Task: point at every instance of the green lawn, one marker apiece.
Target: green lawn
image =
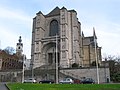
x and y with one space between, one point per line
29 86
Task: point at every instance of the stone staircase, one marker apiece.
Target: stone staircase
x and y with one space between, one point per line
71 75
48 72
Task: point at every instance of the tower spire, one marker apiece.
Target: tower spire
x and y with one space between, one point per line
82 34
94 34
20 40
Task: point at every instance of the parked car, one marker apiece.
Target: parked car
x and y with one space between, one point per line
46 81
66 81
88 81
30 80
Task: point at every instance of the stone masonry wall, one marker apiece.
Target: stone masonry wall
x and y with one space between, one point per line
104 73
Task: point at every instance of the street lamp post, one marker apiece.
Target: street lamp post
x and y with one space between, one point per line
32 70
23 69
105 70
56 61
96 60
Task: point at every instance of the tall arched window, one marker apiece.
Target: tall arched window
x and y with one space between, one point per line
53 28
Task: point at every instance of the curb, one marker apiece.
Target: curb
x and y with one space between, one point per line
7 86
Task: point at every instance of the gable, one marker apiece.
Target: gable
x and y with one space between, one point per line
54 12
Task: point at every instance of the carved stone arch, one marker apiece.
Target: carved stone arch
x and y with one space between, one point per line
48 52
47 46
49 21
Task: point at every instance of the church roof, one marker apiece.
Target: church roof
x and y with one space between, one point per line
54 12
63 7
39 13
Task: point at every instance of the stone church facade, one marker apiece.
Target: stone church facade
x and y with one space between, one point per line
57 33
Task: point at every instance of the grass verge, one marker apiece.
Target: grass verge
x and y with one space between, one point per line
29 86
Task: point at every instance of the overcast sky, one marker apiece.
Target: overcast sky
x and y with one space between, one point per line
16 20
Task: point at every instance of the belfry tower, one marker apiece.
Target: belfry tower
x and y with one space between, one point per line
19 47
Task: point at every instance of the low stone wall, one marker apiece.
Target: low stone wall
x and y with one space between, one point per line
10 76
79 73
104 73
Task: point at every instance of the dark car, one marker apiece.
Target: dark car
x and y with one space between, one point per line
88 81
46 81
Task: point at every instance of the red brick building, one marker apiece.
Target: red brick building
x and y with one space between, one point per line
8 61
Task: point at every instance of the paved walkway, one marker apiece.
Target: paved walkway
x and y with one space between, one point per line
3 87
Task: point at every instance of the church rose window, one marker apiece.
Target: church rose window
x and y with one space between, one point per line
53 28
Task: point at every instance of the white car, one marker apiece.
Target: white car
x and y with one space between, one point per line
30 80
66 81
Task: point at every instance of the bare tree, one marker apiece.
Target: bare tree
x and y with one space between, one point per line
114 66
9 50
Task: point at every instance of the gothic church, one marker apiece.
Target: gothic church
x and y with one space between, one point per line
58 34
